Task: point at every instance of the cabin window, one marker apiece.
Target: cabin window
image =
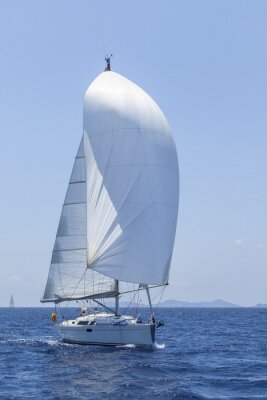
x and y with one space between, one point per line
83 323
89 330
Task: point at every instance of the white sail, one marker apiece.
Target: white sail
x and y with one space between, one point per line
120 212
133 182
69 277
11 302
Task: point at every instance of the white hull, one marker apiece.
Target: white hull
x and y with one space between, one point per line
106 332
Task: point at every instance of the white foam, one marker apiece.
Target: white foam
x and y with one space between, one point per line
50 342
159 346
127 346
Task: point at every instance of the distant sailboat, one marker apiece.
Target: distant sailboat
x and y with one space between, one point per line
119 216
11 302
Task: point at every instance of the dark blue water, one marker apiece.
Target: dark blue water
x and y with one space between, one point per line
201 354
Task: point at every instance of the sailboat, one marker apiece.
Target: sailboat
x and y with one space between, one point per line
11 302
119 217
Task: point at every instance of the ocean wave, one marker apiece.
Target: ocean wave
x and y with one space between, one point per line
34 342
190 360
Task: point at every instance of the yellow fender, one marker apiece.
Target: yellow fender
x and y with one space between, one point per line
53 317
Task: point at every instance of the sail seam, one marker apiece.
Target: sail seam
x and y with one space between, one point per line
79 202
169 138
76 249
143 165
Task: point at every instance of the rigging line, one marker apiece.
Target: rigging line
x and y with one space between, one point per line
77 284
76 182
143 288
103 305
154 298
161 296
130 303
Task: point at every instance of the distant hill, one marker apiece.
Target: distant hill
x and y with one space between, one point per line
186 304
261 305
208 304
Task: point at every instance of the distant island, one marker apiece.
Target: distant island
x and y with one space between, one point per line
202 304
219 303
186 304
205 304
261 305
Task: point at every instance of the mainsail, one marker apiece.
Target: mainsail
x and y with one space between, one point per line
69 277
119 217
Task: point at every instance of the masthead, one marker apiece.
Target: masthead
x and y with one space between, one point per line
107 58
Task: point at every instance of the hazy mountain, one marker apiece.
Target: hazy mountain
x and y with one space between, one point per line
211 304
261 305
177 303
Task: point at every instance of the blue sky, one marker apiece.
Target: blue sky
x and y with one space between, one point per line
205 64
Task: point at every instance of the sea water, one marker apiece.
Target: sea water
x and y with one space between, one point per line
199 354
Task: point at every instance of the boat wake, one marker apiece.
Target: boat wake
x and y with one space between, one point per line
35 342
159 345
51 342
133 346
126 346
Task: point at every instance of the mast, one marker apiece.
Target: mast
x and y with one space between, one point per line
150 303
107 59
11 303
117 296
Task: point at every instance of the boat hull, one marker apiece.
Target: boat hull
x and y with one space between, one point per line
112 335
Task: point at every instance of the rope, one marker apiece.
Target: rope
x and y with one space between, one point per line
131 302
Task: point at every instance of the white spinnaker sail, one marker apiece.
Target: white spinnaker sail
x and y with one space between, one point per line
69 277
133 182
120 212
